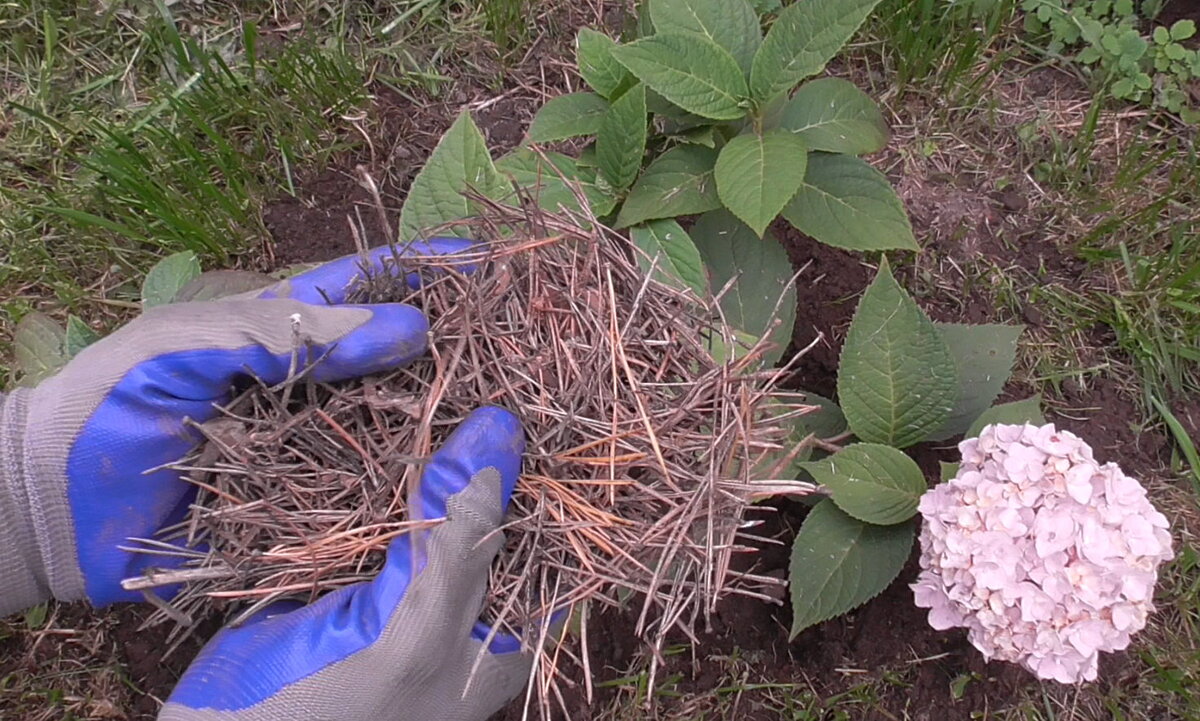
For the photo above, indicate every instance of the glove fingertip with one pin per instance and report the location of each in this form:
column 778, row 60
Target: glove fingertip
column 332, row 282
column 393, row 336
column 490, row 438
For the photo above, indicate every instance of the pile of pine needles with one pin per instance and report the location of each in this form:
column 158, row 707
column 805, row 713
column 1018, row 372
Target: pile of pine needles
column 645, row 447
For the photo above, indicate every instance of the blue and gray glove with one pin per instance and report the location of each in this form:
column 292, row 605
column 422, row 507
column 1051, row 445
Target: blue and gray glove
column 81, row 459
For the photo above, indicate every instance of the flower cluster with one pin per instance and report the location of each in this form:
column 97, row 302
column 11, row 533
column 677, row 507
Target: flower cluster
column 1045, row 556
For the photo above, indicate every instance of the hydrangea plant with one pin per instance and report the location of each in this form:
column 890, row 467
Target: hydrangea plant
column 1046, row 557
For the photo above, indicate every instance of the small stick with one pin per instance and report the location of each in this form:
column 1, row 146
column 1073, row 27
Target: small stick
column 154, row 578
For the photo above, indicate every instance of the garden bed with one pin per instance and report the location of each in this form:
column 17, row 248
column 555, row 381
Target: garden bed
column 882, row 660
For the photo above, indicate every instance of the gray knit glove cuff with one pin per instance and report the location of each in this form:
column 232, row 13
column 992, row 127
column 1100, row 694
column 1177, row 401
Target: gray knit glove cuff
column 23, row 575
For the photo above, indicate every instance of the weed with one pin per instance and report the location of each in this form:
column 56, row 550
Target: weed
column 1128, row 65
column 506, row 22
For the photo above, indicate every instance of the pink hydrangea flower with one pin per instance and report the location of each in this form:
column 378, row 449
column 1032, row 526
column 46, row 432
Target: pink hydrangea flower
column 1047, row 558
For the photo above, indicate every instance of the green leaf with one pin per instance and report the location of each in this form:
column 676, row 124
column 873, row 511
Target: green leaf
column 587, row 157
column 947, row 471
column 568, row 116
column 552, row 181
column 761, row 275
column 1183, row 29
column 833, row 115
column 39, row 347
column 704, row 135
column 35, row 616
column 678, row 182
column 692, row 72
column 667, row 246
column 731, row 24
column 983, row 358
column 167, row 277
column 896, row 377
column 215, row 284
column 1122, row 88
column 804, row 37
column 1014, row 413
column 1133, row 45
column 599, row 69
column 757, row 175
column 458, row 163
column 839, row 563
column 871, row 482
column 677, row 118
column 621, row 141
column 79, row 335
column 827, row 421
column 91, row 220
column 846, row 203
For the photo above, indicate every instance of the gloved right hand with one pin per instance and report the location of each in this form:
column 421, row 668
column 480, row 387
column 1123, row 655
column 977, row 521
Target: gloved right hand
column 401, row 647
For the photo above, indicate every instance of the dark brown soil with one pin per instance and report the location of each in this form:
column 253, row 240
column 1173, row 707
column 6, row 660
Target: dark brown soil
column 1175, row 10
column 315, row 224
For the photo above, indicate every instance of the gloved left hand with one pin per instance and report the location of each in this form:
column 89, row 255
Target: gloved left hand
column 81, row 454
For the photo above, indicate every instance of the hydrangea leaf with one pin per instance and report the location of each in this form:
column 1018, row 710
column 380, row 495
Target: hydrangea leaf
column 669, row 249
column 758, row 174
column 732, row 24
column 621, row 139
column 839, row 563
column 568, row 116
column 1028, row 410
column 826, row 421
column 833, row 115
column 804, row 37
column 167, row 277
column 871, row 482
column 552, row 179
column 983, row 358
column 599, row 69
column 459, row 162
column 689, row 70
column 761, row 275
column 896, row 378
column 678, row 182
column 846, row 203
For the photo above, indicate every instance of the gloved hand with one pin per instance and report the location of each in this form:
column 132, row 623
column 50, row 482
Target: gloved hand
column 401, row 647
column 78, row 452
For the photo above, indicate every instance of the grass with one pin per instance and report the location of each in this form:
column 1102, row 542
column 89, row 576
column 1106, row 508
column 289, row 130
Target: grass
column 127, row 135
column 938, row 44
column 127, row 139
column 506, row 22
